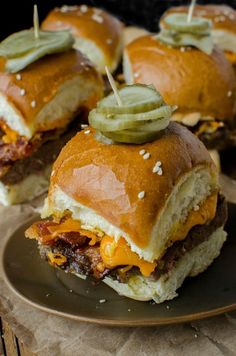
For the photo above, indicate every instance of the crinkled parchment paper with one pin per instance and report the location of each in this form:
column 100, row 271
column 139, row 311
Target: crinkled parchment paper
column 46, row 334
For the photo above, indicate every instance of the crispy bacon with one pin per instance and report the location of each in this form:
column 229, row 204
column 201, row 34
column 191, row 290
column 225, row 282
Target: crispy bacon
column 85, row 259
column 41, row 232
column 73, row 238
column 22, row 147
column 13, row 151
column 14, row 147
column 74, row 245
column 41, row 228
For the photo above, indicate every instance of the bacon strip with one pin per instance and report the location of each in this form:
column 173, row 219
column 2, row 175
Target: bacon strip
column 48, row 232
column 22, row 147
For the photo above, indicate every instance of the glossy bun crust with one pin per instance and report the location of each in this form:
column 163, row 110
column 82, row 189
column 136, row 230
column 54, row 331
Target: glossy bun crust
column 93, row 24
column 41, row 82
column 108, row 178
column 192, row 80
column 223, row 18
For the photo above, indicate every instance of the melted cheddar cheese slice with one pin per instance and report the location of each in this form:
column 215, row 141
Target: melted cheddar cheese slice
column 205, row 213
column 10, row 135
column 119, row 253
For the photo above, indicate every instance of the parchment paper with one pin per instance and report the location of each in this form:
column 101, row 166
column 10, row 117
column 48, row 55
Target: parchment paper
column 47, row 335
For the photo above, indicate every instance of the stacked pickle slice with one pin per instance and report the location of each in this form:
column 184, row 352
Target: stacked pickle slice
column 22, row 48
column 177, row 32
column 140, row 118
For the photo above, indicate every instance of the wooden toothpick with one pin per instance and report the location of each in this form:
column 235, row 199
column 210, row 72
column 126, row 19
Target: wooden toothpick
column 113, row 85
column 190, row 10
column 36, row 22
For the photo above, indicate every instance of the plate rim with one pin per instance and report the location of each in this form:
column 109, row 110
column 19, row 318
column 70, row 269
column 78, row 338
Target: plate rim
column 101, row 321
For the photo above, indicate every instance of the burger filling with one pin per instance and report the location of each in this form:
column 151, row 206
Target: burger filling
column 20, row 157
column 214, row 133
column 66, row 245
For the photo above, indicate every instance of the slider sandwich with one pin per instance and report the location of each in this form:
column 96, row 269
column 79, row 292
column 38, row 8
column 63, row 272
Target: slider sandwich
column 44, row 86
column 190, row 72
column 133, row 201
column 223, row 19
column 223, row 32
column 97, row 34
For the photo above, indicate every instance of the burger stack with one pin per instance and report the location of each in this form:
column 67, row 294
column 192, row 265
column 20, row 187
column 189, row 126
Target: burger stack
column 47, row 87
column 134, row 199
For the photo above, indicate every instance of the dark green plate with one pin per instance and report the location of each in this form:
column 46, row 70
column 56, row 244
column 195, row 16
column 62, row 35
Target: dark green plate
column 211, row 293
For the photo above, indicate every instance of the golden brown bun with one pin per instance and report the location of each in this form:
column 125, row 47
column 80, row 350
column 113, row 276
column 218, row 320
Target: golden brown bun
column 192, row 80
column 222, row 16
column 108, row 178
column 131, row 33
column 223, row 19
column 41, row 82
column 95, row 25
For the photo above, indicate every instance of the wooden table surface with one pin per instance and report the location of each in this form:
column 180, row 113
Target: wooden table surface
column 9, row 344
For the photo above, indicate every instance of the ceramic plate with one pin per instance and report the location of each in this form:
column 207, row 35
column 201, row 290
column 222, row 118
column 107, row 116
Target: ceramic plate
column 32, row 279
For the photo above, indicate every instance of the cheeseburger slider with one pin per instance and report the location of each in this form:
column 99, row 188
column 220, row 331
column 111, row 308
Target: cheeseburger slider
column 133, row 201
column 97, row 34
column 223, row 20
column 44, row 85
column 183, row 63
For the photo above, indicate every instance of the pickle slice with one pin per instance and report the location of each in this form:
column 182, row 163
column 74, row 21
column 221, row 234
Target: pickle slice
column 101, row 123
column 154, row 126
column 129, row 136
column 128, row 121
column 135, row 98
column 141, row 117
column 22, row 48
column 22, row 42
column 178, row 22
column 204, row 43
column 100, row 137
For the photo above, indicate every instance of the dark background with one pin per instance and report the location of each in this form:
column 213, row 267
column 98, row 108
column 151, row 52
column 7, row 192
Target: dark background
column 17, row 15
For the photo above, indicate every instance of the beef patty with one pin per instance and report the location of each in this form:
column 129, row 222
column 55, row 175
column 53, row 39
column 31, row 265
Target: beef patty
column 84, row 259
column 219, row 139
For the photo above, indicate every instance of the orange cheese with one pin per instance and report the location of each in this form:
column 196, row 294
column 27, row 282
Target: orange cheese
column 56, row 258
column 10, row 135
column 119, row 253
column 205, row 213
column 71, row 225
column 231, row 56
column 209, row 127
